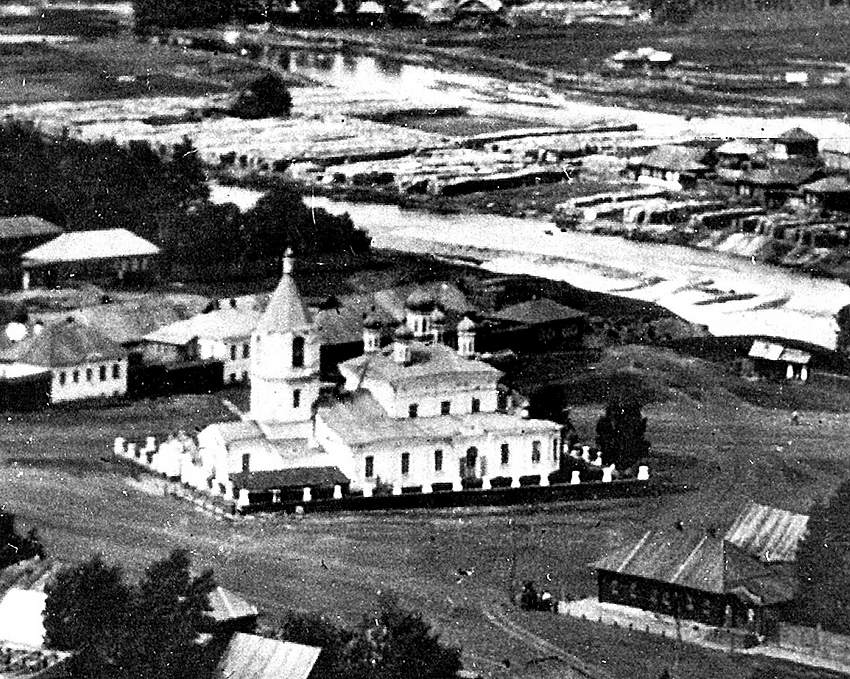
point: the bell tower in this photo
(285, 357)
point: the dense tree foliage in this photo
(621, 433)
(15, 547)
(823, 564)
(842, 320)
(670, 11)
(120, 630)
(162, 197)
(265, 97)
(390, 643)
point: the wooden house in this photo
(772, 186)
(776, 361)
(17, 235)
(533, 325)
(829, 193)
(673, 167)
(795, 142)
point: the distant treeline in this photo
(161, 196)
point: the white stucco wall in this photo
(83, 387)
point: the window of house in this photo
(232, 352)
(502, 401)
(535, 452)
(506, 453)
(445, 407)
(89, 374)
(476, 405)
(438, 460)
(298, 352)
(405, 464)
(246, 462)
(370, 467)
(413, 410)
(232, 377)
(296, 398)
(116, 371)
(276, 495)
(483, 466)
(554, 450)
(75, 376)
(103, 373)
(246, 350)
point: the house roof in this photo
(285, 311)
(784, 174)
(734, 147)
(445, 294)
(833, 184)
(479, 5)
(26, 226)
(220, 324)
(233, 432)
(701, 562)
(771, 351)
(63, 344)
(536, 311)
(768, 533)
(679, 158)
(128, 321)
(296, 477)
(21, 617)
(226, 605)
(251, 657)
(796, 134)
(86, 245)
(428, 362)
(360, 420)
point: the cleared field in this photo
(56, 473)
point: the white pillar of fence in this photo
(575, 478)
(485, 483)
(367, 490)
(242, 501)
(337, 492)
(643, 473)
(307, 495)
(396, 489)
(150, 444)
(544, 479)
(118, 448)
(131, 449)
(607, 474)
(597, 461)
(515, 481)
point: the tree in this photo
(842, 320)
(316, 630)
(265, 97)
(351, 8)
(823, 564)
(620, 433)
(394, 11)
(15, 547)
(670, 11)
(397, 644)
(317, 12)
(86, 611)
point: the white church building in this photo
(416, 415)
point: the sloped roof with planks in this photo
(251, 657)
(768, 533)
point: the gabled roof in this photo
(226, 605)
(771, 351)
(796, 134)
(251, 657)
(430, 362)
(233, 432)
(26, 226)
(296, 477)
(86, 245)
(286, 311)
(479, 5)
(220, 324)
(734, 147)
(701, 562)
(833, 184)
(64, 344)
(679, 158)
(780, 174)
(768, 533)
(535, 311)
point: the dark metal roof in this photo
(780, 175)
(796, 134)
(297, 477)
(537, 311)
(768, 533)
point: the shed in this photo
(773, 185)
(832, 193)
(248, 656)
(773, 360)
(673, 166)
(533, 325)
(287, 485)
(795, 142)
(17, 235)
(230, 613)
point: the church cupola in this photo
(401, 345)
(466, 337)
(418, 308)
(438, 325)
(372, 326)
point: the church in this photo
(416, 415)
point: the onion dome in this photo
(437, 316)
(403, 333)
(420, 300)
(372, 321)
(466, 325)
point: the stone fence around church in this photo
(177, 460)
(814, 641)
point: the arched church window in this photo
(298, 352)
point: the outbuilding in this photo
(775, 361)
(672, 166)
(830, 193)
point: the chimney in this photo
(466, 337)
(401, 345)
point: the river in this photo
(765, 300)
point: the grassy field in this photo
(56, 473)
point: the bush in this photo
(530, 480)
(501, 482)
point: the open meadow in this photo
(57, 474)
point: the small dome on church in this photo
(420, 300)
(402, 332)
(437, 316)
(466, 325)
(372, 321)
